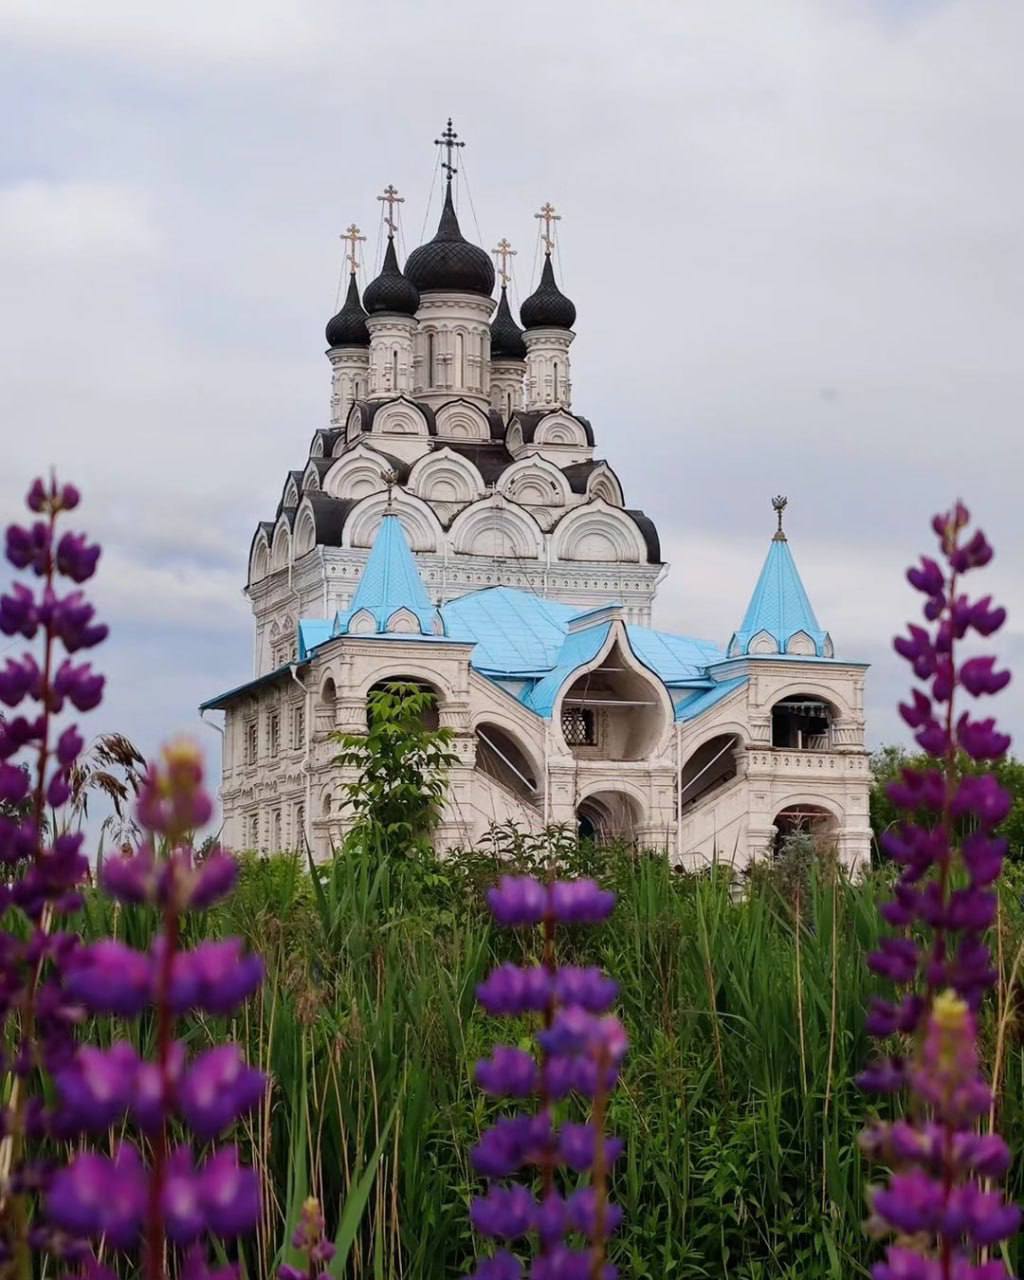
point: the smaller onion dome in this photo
(391, 291)
(449, 262)
(506, 336)
(547, 307)
(348, 327)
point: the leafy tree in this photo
(888, 761)
(398, 795)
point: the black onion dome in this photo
(348, 327)
(547, 307)
(506, 336)
(449, 262)
(391, 291)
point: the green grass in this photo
(738, 1107)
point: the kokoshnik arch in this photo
(452, 526)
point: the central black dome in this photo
(348, 327)
(547, 307)
(391, 291)
(506, 336)
(449, 262)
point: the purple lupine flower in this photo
(934, 1198)
(309, 1238)
(581, 1048)
(217, 1089)
(180, 1202)
(43, 869)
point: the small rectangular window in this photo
(298, 728)
(252, 741)
(254, 831)
(274, 733)
(278, 840)
(579, 726)
(300, 826)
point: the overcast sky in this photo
(794, 232)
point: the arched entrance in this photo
(805, 822)
(608, 816)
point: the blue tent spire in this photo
(779, 618)
(390, 597)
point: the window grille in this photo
(252, 741)
(274, 732)
(579, 726)
(298, 728)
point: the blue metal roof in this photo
(578, 648)
(313, 631)
(390, 583)
(677, 659)
(515, 633)
(779, 606)
(691, 707)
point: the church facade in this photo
(453, 526)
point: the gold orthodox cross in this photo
(352, 236)
(548, 216)
(391, 198)
(502, 254)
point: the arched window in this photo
(394, 370)
(556, 379)
(430, 360)
(460, 358)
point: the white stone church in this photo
(453, 526)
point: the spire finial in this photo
(391, 198)
(449, 140)
(548, 216)
(502, 253)
(390, 480)
(353, 236)
(779, 504)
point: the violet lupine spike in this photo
(42, 871)
(180, 1202)
(938, 1201)
(580, 1048)
(309, 1238)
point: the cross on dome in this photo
(353, 236)
(391, 198)
(548, 216)
(449, 140)
(779, 504)
(503, 251)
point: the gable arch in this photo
(290, 497)
(514, 437)
(281, 548)
(534, 481)
(418, 521)
(399, 418)
(356, 474)
(445, 476)
(604, 484)
(599, 532)
(305, 531)
(311, 478)
(560, 428)
(495, 527)
(461, 420)
(259, 557)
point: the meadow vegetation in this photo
(745, 1010)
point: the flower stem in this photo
(164, 1039)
